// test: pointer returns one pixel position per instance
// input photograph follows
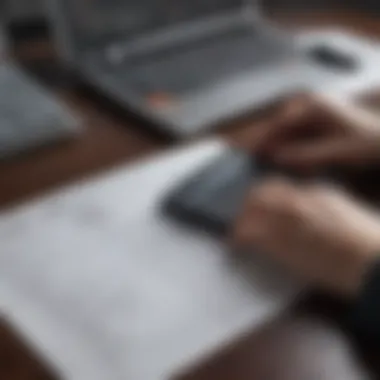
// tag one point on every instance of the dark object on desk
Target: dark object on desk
(29, 115)
(51, 73)
(184, 68)
(211, 198)
(332, 58)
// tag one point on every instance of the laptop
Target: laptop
(184, 65)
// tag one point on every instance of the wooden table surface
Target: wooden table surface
(297, 346)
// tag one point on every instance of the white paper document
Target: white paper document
(105, 288)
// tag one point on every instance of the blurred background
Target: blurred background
(32, 13)
(21, 10)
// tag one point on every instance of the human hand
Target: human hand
(314, 131)
(317, 232)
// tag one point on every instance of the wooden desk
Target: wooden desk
(110, 139)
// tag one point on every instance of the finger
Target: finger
(274, 194)
(338, 198)
(250, 228)
(318, 153)
(250, 138)
(285, 118)
(343, 112)
(265, 208)
(251, 220)
(294, 115)
(312, 116)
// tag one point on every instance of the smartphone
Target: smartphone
(211, 199)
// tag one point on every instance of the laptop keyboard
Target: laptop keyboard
(28, 114)
(204, 63)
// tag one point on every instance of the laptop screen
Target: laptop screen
(97, 18)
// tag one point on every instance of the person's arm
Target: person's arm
(322, 235)
(314, 131)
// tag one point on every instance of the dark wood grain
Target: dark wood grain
(280, 350)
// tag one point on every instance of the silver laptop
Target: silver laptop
(185, 65)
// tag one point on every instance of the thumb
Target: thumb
(318, 153)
